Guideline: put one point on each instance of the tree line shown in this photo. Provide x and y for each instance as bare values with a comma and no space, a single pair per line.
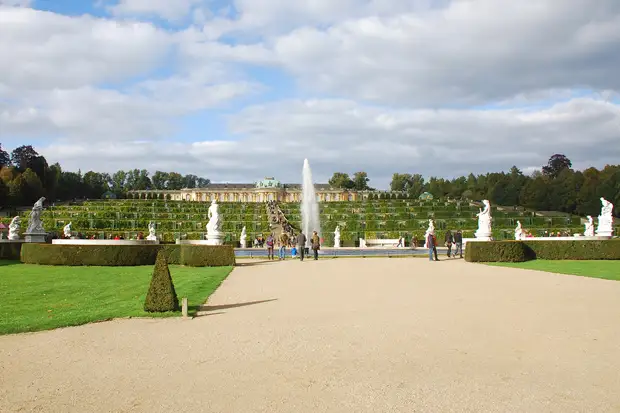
555,187
25,176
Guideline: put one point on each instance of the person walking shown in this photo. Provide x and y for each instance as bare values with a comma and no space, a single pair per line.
449,242
315,241
301,245
458,242
270,244
283,244
430,244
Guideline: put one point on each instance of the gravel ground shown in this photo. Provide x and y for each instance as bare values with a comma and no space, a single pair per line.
344,335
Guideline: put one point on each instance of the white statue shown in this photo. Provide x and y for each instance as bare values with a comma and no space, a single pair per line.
337,237
484,221
429,231
243,239
14,228
215,236
362,243
606,219
589,227
152,236
35,225
67,230
518,231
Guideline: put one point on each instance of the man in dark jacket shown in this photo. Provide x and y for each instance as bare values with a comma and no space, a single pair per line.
430,244
316,244
301,245
449,241
458,241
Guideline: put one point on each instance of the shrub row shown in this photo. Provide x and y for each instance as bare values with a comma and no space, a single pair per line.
10,250
127,255
519,251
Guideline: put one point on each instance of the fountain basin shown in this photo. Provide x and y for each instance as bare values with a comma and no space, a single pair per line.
103,242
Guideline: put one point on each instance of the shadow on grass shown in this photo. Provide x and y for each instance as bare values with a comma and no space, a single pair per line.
203,307
9,262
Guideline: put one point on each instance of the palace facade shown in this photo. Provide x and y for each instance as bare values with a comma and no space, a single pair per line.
269,189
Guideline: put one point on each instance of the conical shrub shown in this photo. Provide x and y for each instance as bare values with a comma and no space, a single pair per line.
161,296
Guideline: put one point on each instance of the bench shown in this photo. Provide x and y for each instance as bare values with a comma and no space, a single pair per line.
382,242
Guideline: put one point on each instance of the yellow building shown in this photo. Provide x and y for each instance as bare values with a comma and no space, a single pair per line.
269,189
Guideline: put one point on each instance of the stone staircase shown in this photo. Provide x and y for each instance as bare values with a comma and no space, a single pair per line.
277,220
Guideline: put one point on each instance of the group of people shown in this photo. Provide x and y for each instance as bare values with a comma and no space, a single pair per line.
297,245
277,217
451,240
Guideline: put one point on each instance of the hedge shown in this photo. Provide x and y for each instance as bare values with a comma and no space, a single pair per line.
517,251
10,250
126,255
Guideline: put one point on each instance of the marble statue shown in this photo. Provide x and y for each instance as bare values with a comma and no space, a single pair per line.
337,237
589,227
35,226
429,230
362,243
606,219
215,236
14,228
67,230
484,222
243,239
519,231
152,236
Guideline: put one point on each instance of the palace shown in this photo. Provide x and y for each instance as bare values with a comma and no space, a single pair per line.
269,189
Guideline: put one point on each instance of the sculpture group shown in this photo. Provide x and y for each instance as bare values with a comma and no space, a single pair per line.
215,236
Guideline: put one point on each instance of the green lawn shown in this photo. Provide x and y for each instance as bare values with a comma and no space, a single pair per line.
607,270
39,297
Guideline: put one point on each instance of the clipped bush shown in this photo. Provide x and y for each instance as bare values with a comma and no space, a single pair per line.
161,296
10,250
497,251
207,256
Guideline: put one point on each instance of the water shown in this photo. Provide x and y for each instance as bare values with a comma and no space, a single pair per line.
309,205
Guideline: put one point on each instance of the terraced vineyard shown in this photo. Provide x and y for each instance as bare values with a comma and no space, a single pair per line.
367,219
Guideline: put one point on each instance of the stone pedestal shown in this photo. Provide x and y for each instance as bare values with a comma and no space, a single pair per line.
35,236
216,238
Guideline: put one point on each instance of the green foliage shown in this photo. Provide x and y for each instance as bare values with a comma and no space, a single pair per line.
126,255
161,296
10,250
518,251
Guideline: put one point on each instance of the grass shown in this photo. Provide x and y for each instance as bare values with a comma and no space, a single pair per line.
39,297
607,270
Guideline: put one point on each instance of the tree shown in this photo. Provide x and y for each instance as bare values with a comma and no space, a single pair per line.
190,181
341,180
32,189
95,184
202,182
119,178
159,180
360,181
556,164
16,190
23,156
161,296
5,159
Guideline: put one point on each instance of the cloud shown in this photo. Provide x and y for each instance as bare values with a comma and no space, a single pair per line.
173,10
15,3
342,135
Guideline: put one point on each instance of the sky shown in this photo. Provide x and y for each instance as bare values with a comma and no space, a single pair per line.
239,90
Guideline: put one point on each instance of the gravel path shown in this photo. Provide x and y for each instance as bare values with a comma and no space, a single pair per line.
345,335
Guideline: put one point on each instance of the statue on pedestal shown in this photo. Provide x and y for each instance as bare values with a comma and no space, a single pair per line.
215,236
35,226
337,237
152,236
67,230
518,231
606,219
14,228
589,227
243,238
484,221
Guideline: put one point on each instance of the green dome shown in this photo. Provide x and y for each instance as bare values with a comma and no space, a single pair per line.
268,183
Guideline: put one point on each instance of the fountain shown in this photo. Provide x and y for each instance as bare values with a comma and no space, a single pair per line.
309,205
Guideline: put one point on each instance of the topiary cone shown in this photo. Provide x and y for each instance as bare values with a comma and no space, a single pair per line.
161,296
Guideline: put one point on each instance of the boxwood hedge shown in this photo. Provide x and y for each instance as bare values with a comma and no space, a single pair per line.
126,255
517,251
10,250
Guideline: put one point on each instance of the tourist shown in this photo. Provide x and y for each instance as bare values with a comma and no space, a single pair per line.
283,244
458,242
293,251
430,244
401,242
449,241
270,242
315,241
435,247
301,244
414,242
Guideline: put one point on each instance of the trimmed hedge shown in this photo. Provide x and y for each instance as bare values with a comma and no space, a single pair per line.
10,250
126,255
518,251
161,296
497,251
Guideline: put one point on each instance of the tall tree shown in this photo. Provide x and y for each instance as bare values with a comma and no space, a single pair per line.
5,159
33,187
23,156
360,181
556,164
341,180
159,180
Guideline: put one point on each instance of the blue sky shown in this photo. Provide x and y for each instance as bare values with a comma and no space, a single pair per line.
235,92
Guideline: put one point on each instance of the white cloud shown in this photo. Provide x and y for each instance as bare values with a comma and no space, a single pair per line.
173,10
15,3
